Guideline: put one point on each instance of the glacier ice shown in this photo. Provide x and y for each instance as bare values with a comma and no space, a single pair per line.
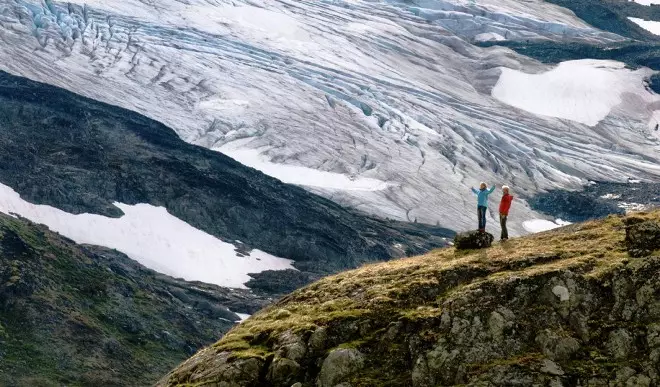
380,91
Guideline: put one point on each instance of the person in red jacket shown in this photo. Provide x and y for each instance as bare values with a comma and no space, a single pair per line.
505,205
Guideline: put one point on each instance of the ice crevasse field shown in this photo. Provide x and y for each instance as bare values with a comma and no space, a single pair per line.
385,106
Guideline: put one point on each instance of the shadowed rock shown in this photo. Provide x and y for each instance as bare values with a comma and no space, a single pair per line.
472,240
642,237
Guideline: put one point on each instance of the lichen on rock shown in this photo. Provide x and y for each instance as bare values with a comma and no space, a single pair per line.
569,307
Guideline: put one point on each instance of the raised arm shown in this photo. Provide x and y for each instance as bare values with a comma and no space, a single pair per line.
490,191
474,191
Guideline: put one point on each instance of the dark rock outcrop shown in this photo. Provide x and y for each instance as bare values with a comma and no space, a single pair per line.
473,240
89,316
80,155
642,236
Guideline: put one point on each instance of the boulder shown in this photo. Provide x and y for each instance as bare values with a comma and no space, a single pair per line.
642,237
339,364
283,372
472,240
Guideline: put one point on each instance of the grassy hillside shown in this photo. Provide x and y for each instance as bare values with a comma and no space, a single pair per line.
565,307
85,316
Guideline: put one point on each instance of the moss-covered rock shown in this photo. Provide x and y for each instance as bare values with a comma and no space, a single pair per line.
87,316
568,307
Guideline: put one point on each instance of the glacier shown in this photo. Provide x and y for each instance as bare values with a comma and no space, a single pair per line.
387,106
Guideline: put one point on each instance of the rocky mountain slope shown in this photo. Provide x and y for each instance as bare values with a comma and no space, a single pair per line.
82,156
390,106
576,306
86,316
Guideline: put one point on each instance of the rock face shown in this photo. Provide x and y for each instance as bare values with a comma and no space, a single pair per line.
568,307
62,305
473,240
338,365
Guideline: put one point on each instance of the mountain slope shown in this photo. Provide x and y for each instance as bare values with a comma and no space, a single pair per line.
385,106
87,316
79,155
576,306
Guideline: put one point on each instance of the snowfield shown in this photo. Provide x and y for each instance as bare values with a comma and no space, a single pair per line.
298,175
153,237
382,105
540,225
584,91
649,25
647,2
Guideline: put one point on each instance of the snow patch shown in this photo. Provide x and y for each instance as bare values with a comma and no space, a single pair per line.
153,237
489,37
582,90
242,316
633,207
647,2
304,176
611,196
540,225
649,25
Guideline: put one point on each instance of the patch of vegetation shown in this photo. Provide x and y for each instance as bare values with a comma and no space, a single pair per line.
86,316
416,288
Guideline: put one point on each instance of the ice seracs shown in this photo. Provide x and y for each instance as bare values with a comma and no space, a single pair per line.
153,237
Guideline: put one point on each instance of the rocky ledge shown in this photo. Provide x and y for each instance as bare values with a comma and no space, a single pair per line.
568,307
73,315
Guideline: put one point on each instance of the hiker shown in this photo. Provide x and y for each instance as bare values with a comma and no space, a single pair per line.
482,203
505,205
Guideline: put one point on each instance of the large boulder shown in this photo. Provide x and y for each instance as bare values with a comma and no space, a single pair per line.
473,240
339,364
642,236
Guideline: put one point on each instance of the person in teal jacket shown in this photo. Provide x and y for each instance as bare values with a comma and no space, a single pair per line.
482,203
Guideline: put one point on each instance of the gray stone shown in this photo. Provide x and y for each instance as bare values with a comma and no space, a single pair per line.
318,341
561,292
339,364
620,343
653,335
297,385
282,372
556,382
557,347
550,367
639,381
291,346
496,325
